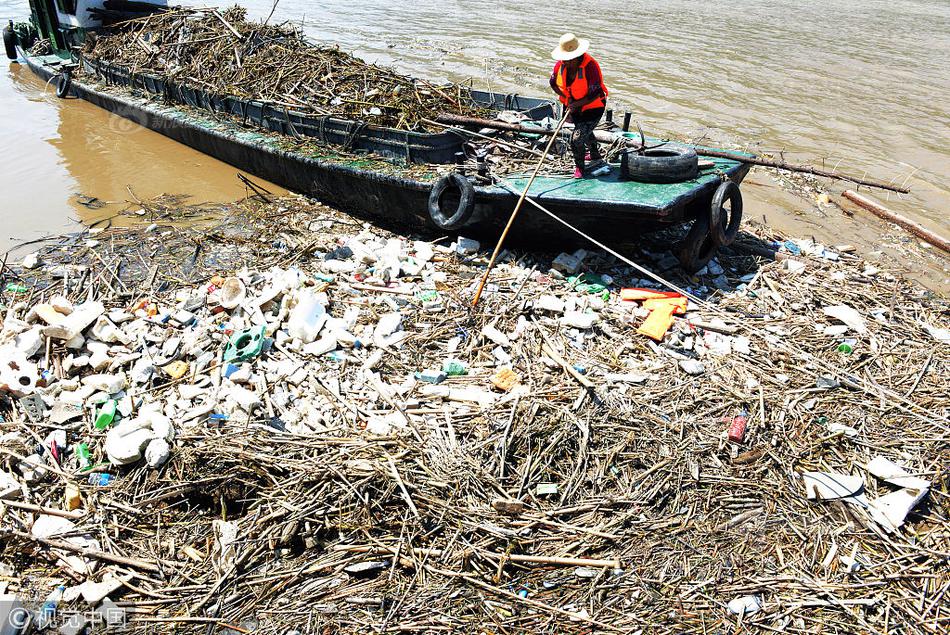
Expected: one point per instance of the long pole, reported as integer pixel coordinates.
(606, 137)
(514, 214)
(893, 217)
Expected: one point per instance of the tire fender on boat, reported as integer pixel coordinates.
(446, 191)
(670, 163)
(9, 41)
(697, 247)
(723, 230)
(63, 83)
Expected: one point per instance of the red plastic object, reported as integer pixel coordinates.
(737, 428)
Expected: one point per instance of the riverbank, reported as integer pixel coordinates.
(387, 456)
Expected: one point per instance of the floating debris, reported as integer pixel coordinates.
(329, 443)
(225, 53)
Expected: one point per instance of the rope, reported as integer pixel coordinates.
(895, 399)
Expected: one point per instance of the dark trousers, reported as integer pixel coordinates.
(582, 139)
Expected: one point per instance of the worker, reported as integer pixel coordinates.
(578, 82)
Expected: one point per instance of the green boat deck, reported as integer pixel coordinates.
(611, 188)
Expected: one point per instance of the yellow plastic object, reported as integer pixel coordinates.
(176, 370)
(505, 379)
(661, 316)
(73, 499)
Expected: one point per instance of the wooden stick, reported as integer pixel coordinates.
(50, 511)
(553, 354)
(511, 220)
(607, 137)
(513, 557)
(92, 553)
(893, 217)
(562, 562)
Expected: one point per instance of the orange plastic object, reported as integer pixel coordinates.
(505, 379)
(663, 305)
(636, 295)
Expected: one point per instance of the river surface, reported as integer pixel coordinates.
(861, 85)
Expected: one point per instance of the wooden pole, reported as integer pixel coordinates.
(607, 137)
(893, 217)
(511, 219)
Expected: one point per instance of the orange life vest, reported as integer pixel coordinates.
(578, 88)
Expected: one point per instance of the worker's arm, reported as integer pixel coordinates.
(553, 80)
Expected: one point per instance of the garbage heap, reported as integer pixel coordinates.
(226, 53)
(327, 437)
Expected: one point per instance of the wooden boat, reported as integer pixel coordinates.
(397, 175)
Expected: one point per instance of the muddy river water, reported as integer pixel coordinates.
(863, 85)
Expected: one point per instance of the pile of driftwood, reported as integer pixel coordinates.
(224, 53)
(611, 486)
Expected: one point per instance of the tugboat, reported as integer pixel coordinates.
(400, 175)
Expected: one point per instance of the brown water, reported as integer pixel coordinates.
(859, 84)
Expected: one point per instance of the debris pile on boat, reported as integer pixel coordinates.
(271, 418)
(226, 53)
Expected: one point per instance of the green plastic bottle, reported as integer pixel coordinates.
(454, 368)
(84, 456)
(106, 414)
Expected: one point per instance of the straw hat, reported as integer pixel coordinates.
(570, 47)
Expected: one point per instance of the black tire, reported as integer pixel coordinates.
(9, 42)
(724, 223)
(670, 163)
(455, 192)
(63, 83)
(697, 248)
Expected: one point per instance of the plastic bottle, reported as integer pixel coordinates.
(454, 368)
(308, 317)
(48, 610)
(84, 456)
(106, 414)
(100, 479)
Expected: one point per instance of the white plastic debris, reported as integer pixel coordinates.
(745, 605)
(692, 367)
(232, 293)
(57, 528)
(793, 266)
(939, 334)
(831, 486)
(467, 246)
(579, 319)
(567, 264)
(549, 303)
(157, 452)
(308, 317)
(891, 510)
(126, 441)
(838, 428)
(625, 378)
(106, 383)
(887, 470)
(225, 537)
(326, 343)
(30, 261)
(847, 315)
(494, 335)
(385, 333)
